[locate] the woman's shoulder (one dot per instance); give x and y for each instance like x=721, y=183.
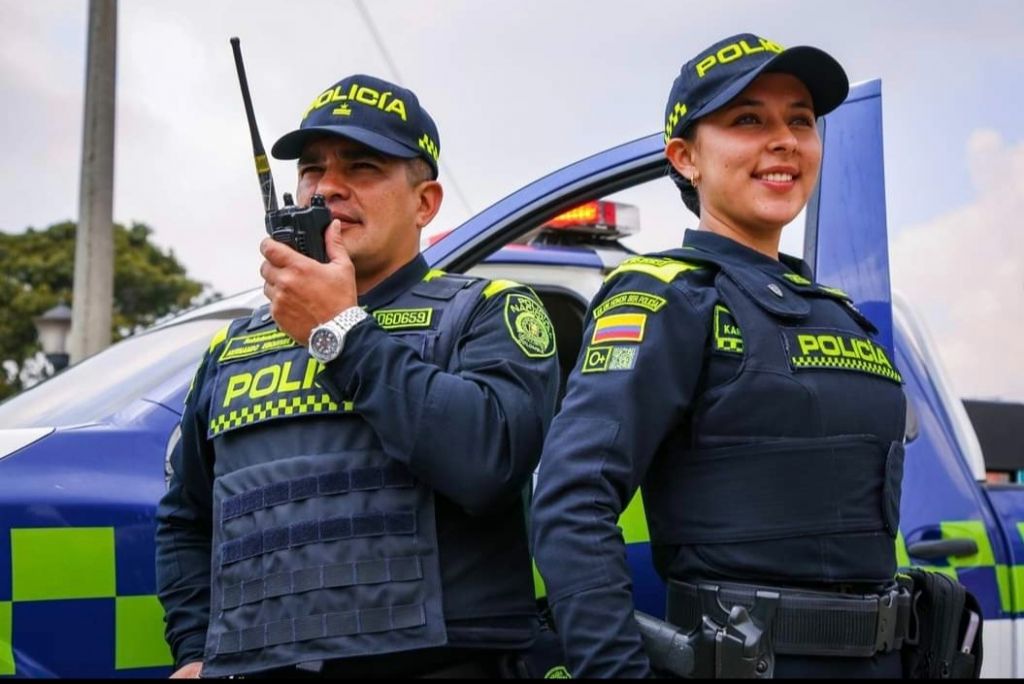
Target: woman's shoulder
x=660, y=278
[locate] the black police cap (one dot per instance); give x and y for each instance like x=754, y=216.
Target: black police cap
x=371, y=111
x=721, y=72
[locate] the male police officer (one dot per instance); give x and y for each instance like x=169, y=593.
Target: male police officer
x=346, y=496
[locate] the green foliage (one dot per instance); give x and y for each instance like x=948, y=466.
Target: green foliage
x=37, y=271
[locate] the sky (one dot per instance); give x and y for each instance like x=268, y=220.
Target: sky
x=520, y=88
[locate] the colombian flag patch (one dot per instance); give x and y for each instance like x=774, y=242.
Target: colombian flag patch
x=627, y=327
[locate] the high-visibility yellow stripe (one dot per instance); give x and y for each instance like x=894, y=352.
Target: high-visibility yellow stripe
x=665, y=270
x=219, y=337
x=499, y=286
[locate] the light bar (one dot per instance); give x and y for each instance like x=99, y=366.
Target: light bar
x=599, y=218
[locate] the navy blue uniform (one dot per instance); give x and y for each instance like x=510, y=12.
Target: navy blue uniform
x=760, y=420
x=373, y=506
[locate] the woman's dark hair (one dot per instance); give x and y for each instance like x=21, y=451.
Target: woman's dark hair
x=686, y=189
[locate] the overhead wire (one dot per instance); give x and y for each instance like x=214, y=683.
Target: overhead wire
x=372, y=28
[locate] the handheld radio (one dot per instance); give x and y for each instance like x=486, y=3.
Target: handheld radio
x=300, y=228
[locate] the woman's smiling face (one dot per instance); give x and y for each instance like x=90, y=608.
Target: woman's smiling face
x=757, y=158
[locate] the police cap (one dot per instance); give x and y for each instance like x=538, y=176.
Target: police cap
x=381, y=115
x=714, y=77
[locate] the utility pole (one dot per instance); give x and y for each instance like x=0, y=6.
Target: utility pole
x=94, y=242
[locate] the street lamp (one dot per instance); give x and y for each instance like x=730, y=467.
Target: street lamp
x=52, y=329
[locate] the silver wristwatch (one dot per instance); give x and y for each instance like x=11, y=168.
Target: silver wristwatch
x=327, y=339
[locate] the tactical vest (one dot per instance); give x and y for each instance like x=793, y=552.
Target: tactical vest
x=790, y=469
x=322, y=547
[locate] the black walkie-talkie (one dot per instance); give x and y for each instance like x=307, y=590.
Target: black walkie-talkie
x=302, y=228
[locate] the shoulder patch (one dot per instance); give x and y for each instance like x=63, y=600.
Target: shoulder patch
x=641, y=300
x=529, y=325
x=665, y=270
x=627, y=327
x=601, y=359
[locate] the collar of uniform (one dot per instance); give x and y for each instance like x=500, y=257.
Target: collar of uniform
x=402, y=280
x=761, y=277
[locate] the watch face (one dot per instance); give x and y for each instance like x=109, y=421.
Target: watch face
x=324, y=344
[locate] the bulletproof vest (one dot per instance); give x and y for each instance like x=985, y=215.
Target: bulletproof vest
x=322, y=547
x=790, y=464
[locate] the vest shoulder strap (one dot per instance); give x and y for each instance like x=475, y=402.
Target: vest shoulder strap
x=664, y=268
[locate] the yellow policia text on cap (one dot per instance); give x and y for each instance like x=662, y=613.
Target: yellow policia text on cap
x=734, y=51
x=365, y=95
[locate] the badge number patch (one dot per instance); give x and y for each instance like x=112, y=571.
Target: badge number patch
x=403, y=319
x=529, y=326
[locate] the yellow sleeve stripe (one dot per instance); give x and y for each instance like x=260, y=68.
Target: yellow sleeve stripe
x=221, y=335
x=499, y=286
x=664, y=272
x=432, y=274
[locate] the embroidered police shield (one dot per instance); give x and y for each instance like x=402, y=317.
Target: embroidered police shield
x=529, y=326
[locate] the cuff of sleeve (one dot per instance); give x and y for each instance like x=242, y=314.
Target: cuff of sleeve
x=190, y=649
x=341, y=372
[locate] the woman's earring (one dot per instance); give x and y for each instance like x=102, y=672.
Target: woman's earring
x=695, y=179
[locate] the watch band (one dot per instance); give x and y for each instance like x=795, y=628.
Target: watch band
x=348, y=318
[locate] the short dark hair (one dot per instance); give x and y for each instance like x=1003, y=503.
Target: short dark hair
x=687, y=191
x=418, y=170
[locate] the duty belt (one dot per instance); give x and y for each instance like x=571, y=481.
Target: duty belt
x=813, y=623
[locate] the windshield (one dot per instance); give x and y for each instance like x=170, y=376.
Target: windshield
x=107, y=382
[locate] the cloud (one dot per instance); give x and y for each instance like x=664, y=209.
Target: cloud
x=963, y=272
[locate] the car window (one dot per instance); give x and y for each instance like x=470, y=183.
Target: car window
x=107, y=382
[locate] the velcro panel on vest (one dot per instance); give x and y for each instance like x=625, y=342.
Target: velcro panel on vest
x=328, y=553
x=351, y=623
x=342, y=482
x=322, y=577
x=769, y=490
x=313, y=531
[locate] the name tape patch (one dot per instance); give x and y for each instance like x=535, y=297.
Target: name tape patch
x=246, y=346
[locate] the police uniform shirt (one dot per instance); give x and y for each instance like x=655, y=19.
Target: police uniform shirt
x=715, y=349
x=470, y=429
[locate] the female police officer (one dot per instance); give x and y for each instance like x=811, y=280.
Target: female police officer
x=751, y=403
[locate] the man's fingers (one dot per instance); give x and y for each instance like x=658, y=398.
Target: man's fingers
x=336, y=251
x=277, y=253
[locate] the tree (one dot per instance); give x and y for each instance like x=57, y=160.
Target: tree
x=36, y=273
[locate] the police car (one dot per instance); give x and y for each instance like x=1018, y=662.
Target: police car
x=83, y=455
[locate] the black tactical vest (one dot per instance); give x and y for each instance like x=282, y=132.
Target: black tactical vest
x=789, y=468
x=322, y=547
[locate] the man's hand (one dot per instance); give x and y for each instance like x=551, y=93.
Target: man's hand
x=189, y=671
x=304, y=293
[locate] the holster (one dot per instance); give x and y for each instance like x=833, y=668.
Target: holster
x=737, y=629
x=943, y=643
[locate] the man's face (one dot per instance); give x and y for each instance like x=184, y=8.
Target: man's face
x=380, y=210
